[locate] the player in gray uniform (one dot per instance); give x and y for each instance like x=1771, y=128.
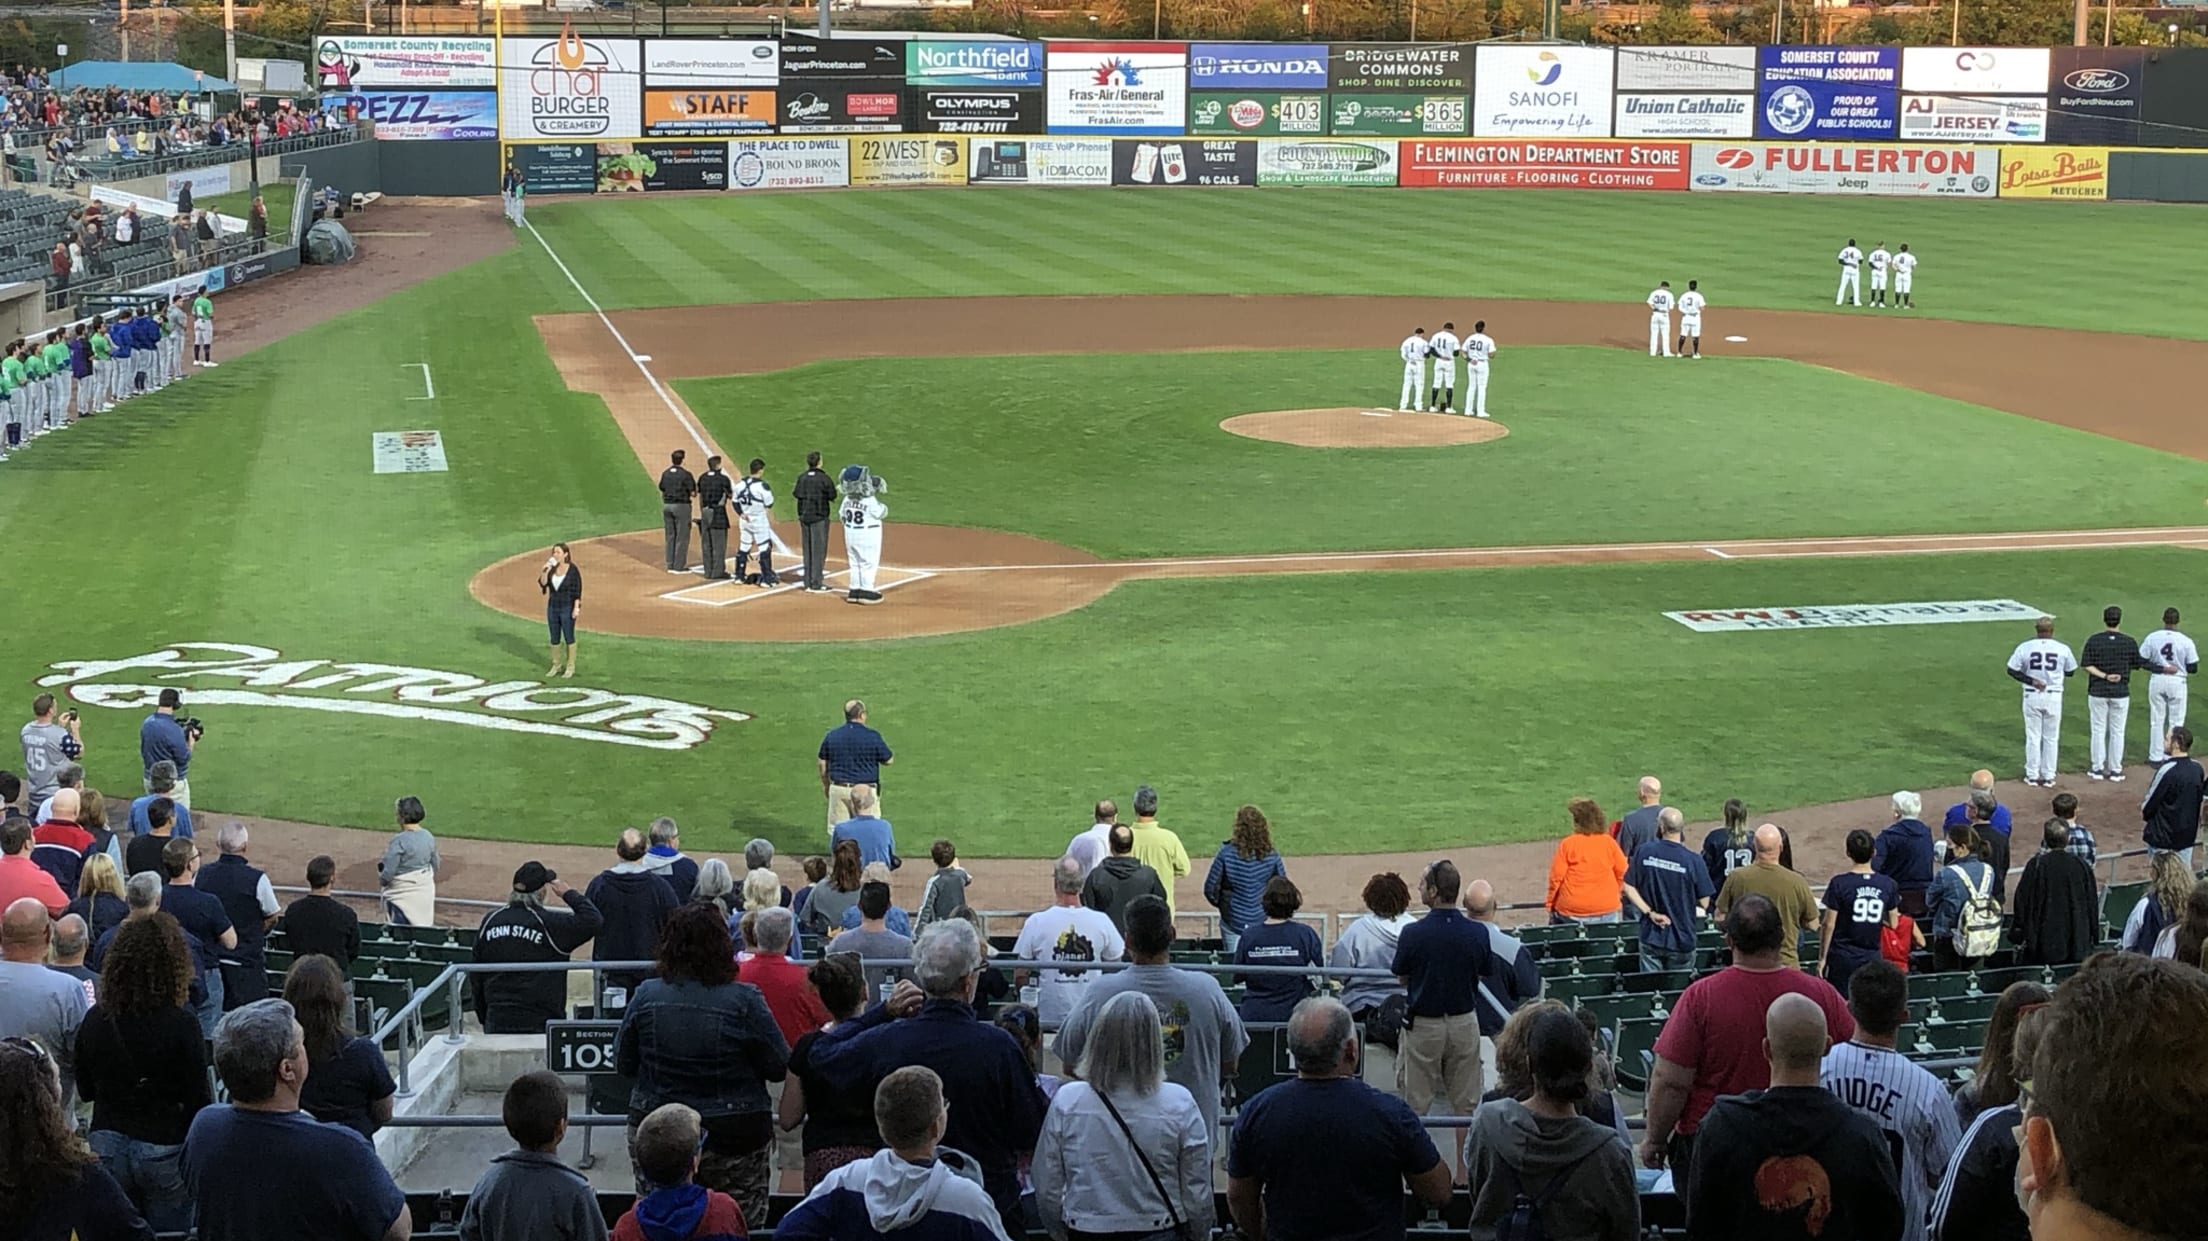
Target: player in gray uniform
x=50, y=743
x=1909, y=1105
x=172, y=344
x=1442, y=345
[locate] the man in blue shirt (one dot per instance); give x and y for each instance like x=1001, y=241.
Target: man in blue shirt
x=162, y=737
x=877, y=843
x=1980, y=781
x=851, y=755
x=1903, y=853
x=1856, y=902
x=207, y=929
x=1671, y=887
x=1440, y=959
x=160, y=782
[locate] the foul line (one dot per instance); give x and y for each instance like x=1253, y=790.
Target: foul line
x=429, y=385
x=685, y=594
x=697, y=437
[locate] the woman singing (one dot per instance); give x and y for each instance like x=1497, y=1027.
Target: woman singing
x=562, y=584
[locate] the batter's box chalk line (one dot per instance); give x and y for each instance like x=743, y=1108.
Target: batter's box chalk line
x=1736, y=340
x=730, y=593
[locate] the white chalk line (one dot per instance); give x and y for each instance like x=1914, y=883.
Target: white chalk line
x=429, y=386
x=740, y=593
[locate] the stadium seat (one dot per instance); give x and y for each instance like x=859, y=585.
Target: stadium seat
x=2116, y=906
x=1635, y=1037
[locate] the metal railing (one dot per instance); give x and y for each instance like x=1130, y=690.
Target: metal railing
x=101, y=165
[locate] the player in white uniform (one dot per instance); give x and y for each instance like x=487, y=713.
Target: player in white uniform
x=1443, y=345
x=861, y=515
x=1413, y=349
x=754, y=502
x=1659, y=320
x=1690, y=319
x=1878, y=260
x=1479, y=348
x=2040, y=663
x=1905, y=275
x=1907, y=1103
x=1851, y=273
x=2175, y=658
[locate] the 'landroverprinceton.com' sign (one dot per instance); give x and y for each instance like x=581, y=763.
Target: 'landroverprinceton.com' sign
x=1856, y=615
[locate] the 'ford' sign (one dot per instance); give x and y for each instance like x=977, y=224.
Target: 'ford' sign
x=1257, y=66
x=2096, y=81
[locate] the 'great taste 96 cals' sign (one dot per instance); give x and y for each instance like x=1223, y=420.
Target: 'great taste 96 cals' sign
x=1856, y=615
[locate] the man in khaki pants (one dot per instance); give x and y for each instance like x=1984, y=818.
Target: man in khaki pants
x=851, y=755
x=1440, y=959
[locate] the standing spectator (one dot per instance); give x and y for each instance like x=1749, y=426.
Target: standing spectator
x=946, y=888
x=1993, y=843
x=1671, y=888
x=183, y=197
x=1208, y=1035
x=348, y=1082
x=1641, y=825
x=1370, y=943
x=851, y=755
x=408, y=872
x=781, y=982
x=530, y=1193
x=55, y=1186
x=1787, y=891
x=877, y=843
x=1904, y=1101
x=1514, y=1076
x=51, y=741
x=35, y=1002
x=1711, y=1044
x=1285, y=1186
x=320, y=923
x=142, y=899
x=837, y=894
x=1587, y=871
x=20, y=877
x=1726, y=849
x=72, y=939
x=634, y=905
x=208, y=236
x=838, y=1122
x=717, y=887
x=142, y=1065
x=180, y=244
x=1279, y=940
x=917, y=1185
x=1124, y=1152
x=2082, y=844
x=92, y=817
x=815, y=869
x=160, y=783
x=2110, y=657
x=1981, y=781
x=695, y=1036
x=249, y=901
x=143, y=853
x=1235, y=885
x=666, y=859
x=2161, y=906
x=1066, y=932
x=872, y=940
x=207, y=928
x=816, y=503
x=58, y=844
x=162, y=737
x=2172, y=807
x=332, y=1184
x=1512, y=977
x=759, y=855
x=1977, y=1199
x=1790, y=1160
x=62, y=267
x=2058, y=910
x=1903, y=853
x=1092, y=846
x=126, y=224
x=71, y=776
x=1121, y=879
x=1856, y=902
x=1156, y=845
x=1964, y=909
x=1576, y=1174
x=1441, y=960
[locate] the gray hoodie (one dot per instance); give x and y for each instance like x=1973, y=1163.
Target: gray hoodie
x=1510, y=1151
x=529, y=1196
x=885, y=1195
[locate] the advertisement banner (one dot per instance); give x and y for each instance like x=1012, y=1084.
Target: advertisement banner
x=1975, y=70
x=1397, y=116
x=1139, y=162
x=1842, y=168
x=1400, y=67
x=1257, y=66
x=1948, y=118
x=633, y=167
x=1259, y=113
x=908, y=161
x=1686, y=116
x=365, y=62
x=1561, y=92
x=812, y=59
x=712, y=62
x=789, y=164
x=1041, y=161
x=1124, y=88
x=571, y=86
x=979, y=110
x=700, y=113
x=840, y=108
x=424, y=116
x=1287, y=161
x=2078, y=174
x=1828, y=92
x=557, y=167
x=973, y=62
x=1686, y=68
x=1538, y=164
x=2095, y=95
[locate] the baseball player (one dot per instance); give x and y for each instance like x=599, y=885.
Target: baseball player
x=203, y=331
x=861, y=514
x=1690, y=319
x=2175, y=658
x=103, y=369
x=34, y=369
x=118, y=336
x=57, y=365
x=1907, y=1103
x=180, y=323
x=1413, y=349
x=754, y=510
x=1479, y=347
x=1851, y=273
x=2040, y=663
x=1878, y=260
x=20, y=401
x=1659, y=320
x=1905, y=275
x=1443, y=345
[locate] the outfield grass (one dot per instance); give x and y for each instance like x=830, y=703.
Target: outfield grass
x=239, y=203
x=2106, y=267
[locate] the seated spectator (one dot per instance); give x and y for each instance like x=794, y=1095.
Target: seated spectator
x=946, y=888
x=1235, y=885
x=142, y=1065
x=1067, y=931
x=1278, y=940
x=893, y=918
x=1587, y=872
x=1786, y=890
x=143, y=852
x=408, y=871
x=668, y=1148
x=759, y=855
x=762, y=890
x=634, y=905
x=332, y=1184
x=59, y=845
x=1369, y=944
x=993, y=986
x=2161, y=906
x=1900, y=939
x=877, y=843
x=1120, y=879
x=99, y=896
x=1977, y=1195
x=1514, y=1075
x=320, y=924
x=838, y=1124
x=872, y=939
x=1543, y=1162
x=917, y=1185
x=665, y=858
x=160, y=785
x=1025, y=1026
x=527, y=931
x=1125, y=1152
x=529, y=1193
x=2188, y=940
x=55, y=1186
x=2058, y=906
x=348, y=1082
x=830, y=898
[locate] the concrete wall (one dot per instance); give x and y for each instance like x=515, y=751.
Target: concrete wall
x=2158, y=176
x=353, y=167
x=440, y=169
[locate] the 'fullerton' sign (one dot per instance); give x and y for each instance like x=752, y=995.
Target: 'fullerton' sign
x=240, y=675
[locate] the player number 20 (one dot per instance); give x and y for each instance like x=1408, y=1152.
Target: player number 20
x=1870, y=908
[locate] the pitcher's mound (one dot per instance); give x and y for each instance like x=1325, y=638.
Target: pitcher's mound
x=1351, y=427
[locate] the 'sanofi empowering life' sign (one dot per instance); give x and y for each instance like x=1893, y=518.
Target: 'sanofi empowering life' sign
x=1856, y=615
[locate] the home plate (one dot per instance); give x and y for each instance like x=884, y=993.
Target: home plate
x=1736, y=340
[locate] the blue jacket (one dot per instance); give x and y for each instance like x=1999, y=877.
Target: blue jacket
x=118, y=335
x=1240, y=881
x=712, y=1048
x=635, y=904
x=1948, y=894
x=1904, y=854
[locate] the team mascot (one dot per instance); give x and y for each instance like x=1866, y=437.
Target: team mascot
x=861, y=514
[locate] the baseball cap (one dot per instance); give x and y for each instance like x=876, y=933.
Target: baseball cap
x=532, y=875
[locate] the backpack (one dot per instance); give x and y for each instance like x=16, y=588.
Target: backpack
x=1523, y=1221
x=1978, y=932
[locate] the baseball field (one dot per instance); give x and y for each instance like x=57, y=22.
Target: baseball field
x=1091, y=583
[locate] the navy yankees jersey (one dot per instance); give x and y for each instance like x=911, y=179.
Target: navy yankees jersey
x=1859, y=904
x=1910, y=1107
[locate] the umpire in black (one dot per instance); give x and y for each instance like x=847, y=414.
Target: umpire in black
x=816, y=506
x=676, y=487
x=714, y=489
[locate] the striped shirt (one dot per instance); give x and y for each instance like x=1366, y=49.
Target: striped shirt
x=1236, y=886
x=1910, y=1107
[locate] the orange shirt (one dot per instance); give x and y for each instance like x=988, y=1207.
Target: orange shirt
x=1585, y=875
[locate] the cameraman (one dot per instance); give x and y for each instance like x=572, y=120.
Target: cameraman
x=49, y=744
x=163, y=736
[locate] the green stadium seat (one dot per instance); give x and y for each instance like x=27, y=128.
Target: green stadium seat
x=1659, y=980
x=1635, y=1036
x=1618, y=1006
x=1939, y=986
x=1952, y=1036
x=1572, y=988
x=2116, y=905
x=1994, y=982
x=1966, y=1007
x=1264, y=1063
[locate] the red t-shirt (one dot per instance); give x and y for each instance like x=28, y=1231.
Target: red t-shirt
x=789, y=994
x=1717, y=1029
x=1894, y=942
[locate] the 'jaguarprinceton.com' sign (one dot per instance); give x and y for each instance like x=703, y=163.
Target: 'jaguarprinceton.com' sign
x=1856, y=615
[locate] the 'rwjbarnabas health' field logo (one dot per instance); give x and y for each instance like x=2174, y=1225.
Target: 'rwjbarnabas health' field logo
x=235, y=674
